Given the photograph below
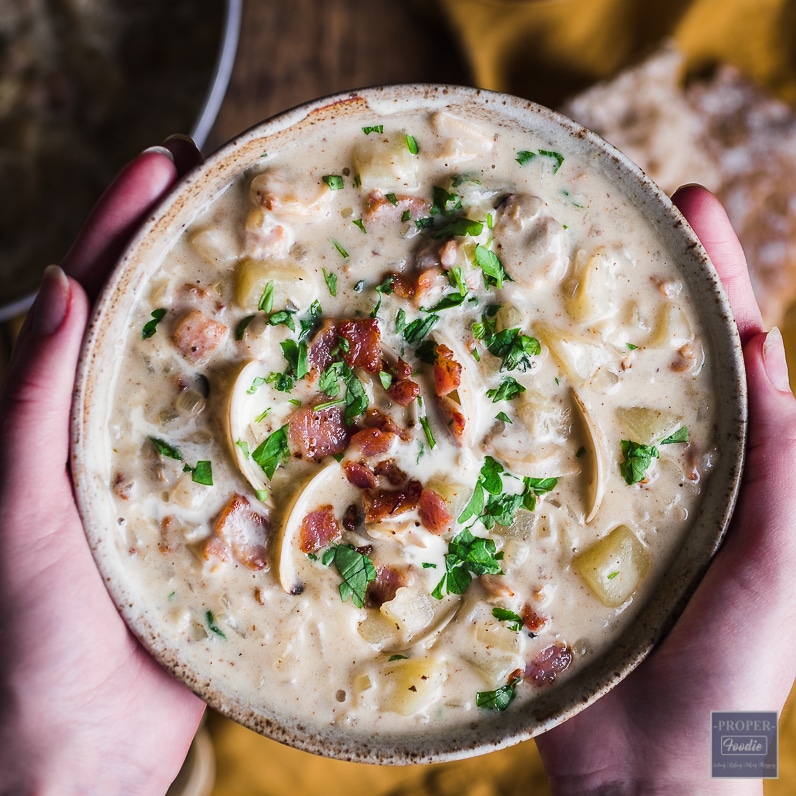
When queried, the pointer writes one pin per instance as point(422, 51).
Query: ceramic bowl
point(98, 370)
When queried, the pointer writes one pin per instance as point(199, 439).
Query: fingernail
point(49, 308)
point(161, 150)
point(774, 360)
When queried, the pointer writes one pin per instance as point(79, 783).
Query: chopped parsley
point(334, 181)
point(201, 474)
point(211, 623)
point(283, 318)
point(681, 435)
point(411, 144)
point(376, 128)
point(355, 568)
point(331, 279)
point(164, 449)
point(150, 327)
point(526, 156)
point(513, 621)
point(359, 223)
point(266, 302)
point(507, 389)
point(637, 459)
point(417, 330)
point(448, 302)
point(467, 556)
point(340, 250)
point(489, 263)
point(500, 698)
point(502, 416)
point(510, 345)
point(432, 443)
point(242, 325)
point(272, 452)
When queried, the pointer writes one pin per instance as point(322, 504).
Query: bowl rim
point(658, 615)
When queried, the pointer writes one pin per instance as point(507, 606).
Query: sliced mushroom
point(597, 472)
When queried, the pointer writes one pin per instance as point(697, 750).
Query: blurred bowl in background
point(83, 88)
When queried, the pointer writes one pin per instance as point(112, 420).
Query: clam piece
point(579, 357)
point(597, 473)
point(328, 487)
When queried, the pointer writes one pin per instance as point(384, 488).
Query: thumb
point(36, 402)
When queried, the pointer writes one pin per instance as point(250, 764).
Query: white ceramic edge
point(500, 730)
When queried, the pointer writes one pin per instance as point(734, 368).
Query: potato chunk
point(614, 566)
point(594, 297)
point(408, 685)
point(293, 286)
point(647, 425)
point(386, 164)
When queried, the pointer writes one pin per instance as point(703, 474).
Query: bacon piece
point(375, 418)
point(391, 471)
point(402, 390)
point(402, 286)
point(323, 343)
point(454, 417)
point(319, 529)
point(351, 518)
point(383, 589)
point(532, 620)
point(364, 343)
point(360, 475)
point(314, 435)
point(434, 512)
point(373, 441)
point(243, 531)
point(196, 336)
point(447, 371)
point(548, 664)
point(379, 504)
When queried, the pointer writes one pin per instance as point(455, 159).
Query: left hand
point(84, 706)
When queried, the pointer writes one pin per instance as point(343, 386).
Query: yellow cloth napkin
point(544, 50)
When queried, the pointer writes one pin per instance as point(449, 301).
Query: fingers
point(710, 222)
point(37, 399)
point(123, 208)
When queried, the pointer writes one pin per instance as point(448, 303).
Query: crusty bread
point(720, 130)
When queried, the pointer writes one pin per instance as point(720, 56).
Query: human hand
point(732, 648)
point(84, 707)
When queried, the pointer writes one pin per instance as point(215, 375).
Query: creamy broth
point(409, 424)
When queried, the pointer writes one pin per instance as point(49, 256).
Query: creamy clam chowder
point(409, 423)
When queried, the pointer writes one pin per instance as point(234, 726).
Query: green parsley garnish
point(392, 198)
point(681, 435)
point(447, 302)
point(283, 318)
point(241, 327)
point(266, 302)
point(638, 458)
point(513, 621)
point(272, 452)
point(411, 144)
point(432, 443)
point(340, 249)
point(201, 474)
point(524, 156)
point(467, 556)
point(211, 623)
point(356, 569)
point(359, 223)
point(150, 327)
point(334, 181)
point(164, 449)
point(631, 346)
point(331, 278)
point(376, 128)
point(507, 389)
point(500, 698)
point(504, 417)
point(489, 263)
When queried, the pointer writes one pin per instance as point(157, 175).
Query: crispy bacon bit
point(324, 342)
point(532, 620)
point(351, 518)
point(314, 435)
point(454, 417)
point(243, 531)
point(383, 589)
point(360, 475)
point(319, 529)
point(375, 418)
point(447, 371)
point(391, 471)
point(196, 336)
point(379, 504)
point(364, 343)
point(548, 664)
point(402, 390)
point(373, 441)
point(402, 286)
point(434, 512)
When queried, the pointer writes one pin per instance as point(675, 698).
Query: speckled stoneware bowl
point(98, 366)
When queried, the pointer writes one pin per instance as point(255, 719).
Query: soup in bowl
point(408, 424)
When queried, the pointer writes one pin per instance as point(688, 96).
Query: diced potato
point(379, 631)
point(410, 611)
point(614, 566)
point(647, 425)
point(509, 317)
point(579, 358)
point(594, 297)
point(386, 164)
point(672, 327)
point(294, 286)
point(408, 685)
point(463, 140)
